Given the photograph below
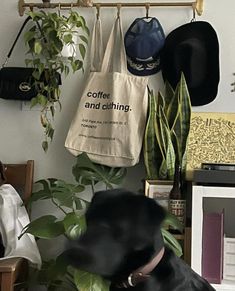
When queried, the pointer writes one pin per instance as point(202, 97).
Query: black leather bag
point(17, 83)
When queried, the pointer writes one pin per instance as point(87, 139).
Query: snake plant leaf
point(164, 129)
point(163, 170)
point(170, 153)
point(159, 126)
point(181, 126)
point(173, 110)
point(90, 282)
point(150, 143)
point(185, 112)
point(169, 95)
point(172, 242)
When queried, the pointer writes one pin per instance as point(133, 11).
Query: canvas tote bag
point(110, 121)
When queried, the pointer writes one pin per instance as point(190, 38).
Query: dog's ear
point(157, 212)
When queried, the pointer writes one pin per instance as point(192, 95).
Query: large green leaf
point(166, 170)
point(172, 110)
point(158, 126)
point(172, 242)
point(169, 95)
point(185, 113)
point(173, 221)
point(45, 227)
point(87, 172)
point(74, 225)
point(151, 149)
point(90, 282)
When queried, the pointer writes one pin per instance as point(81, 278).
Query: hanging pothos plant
point(46, 39)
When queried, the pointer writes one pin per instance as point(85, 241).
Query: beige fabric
point(110, 120)
point(97, 47)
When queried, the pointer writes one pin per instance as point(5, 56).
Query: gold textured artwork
point(211, 139)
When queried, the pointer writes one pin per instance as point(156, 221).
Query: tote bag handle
point(97, 47)
point(108, 55)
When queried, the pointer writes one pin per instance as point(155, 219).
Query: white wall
point(20, 131)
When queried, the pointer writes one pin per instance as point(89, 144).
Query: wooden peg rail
point(196, 5)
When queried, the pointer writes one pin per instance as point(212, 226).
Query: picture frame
point(159, 190)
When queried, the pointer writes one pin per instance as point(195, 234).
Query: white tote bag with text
point(110, 121)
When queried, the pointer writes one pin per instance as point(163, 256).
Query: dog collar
point(142, 273)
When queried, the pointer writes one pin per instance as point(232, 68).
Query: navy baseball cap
point(144, 41)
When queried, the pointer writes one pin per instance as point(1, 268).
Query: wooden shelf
point(196, 5)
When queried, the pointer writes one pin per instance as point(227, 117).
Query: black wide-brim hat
point(193, 49)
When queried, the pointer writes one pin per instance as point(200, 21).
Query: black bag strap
point(17, 37)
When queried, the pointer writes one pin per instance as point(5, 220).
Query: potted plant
point(46, 39)
point(167, 130)
point(65, 196)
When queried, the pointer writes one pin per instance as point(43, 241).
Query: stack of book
point(212, 247)
point(218, 251)
point(229, 259)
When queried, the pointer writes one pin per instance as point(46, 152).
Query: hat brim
point(193, 49)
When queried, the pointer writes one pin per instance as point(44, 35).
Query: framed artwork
point(159, 190)
point(211, 140)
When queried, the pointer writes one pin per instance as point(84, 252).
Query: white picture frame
point(159, 190)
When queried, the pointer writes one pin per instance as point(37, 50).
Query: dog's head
point(123, 232)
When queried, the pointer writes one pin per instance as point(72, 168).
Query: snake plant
point(167, 131)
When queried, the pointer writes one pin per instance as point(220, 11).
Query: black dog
point(123, 243)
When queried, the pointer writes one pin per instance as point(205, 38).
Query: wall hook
point(194, 12)
point(119, 6)
point(147, 6)
point(97, 11)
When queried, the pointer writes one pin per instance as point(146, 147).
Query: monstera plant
point(46, 40)
point(56, 274)
point(167, 131)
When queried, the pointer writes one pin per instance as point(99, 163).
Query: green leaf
point(83, 38)
point(42, 100)
point(34, 101)
point(172, 242)
point(37, 47)
point(46, 227)
point(173, 221)
point(63, 198)
point(68, 38)
point(82, 50)
point(86, 171)
point(169, 95)
point(29, 35)
point(36, 74)
point(151, 149)
point(90, 282)
point(45, 145)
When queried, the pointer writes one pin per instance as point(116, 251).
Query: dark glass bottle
point(177, 202)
